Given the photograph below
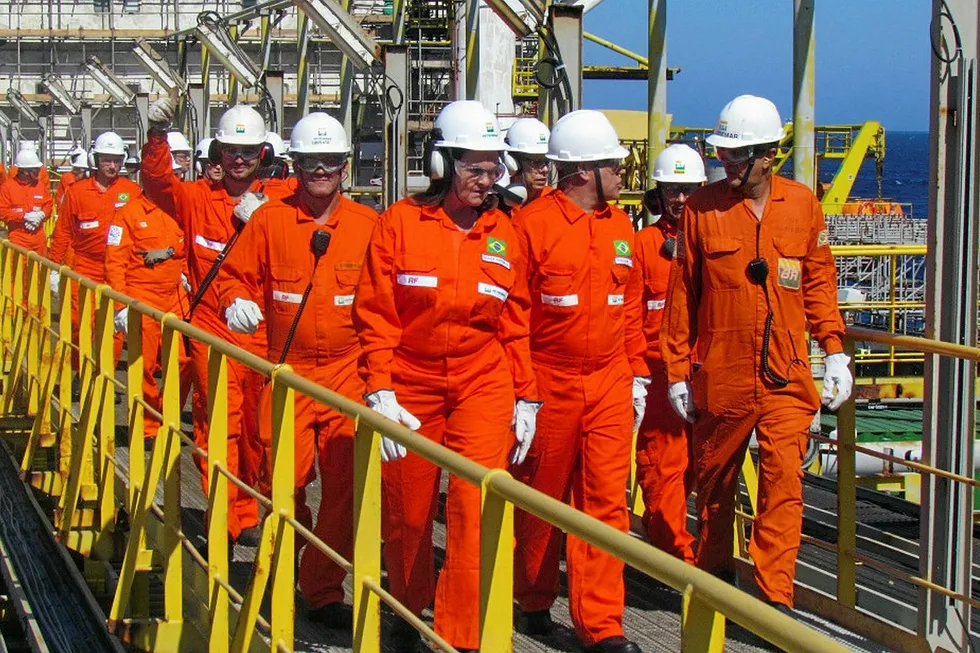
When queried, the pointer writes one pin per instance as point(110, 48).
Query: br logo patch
point(790, 273)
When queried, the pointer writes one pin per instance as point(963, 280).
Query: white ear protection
point(513, 167)
point(435, 162)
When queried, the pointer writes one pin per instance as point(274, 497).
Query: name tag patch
point(656, 304)
point(91, 224)
point(343, 300)
point(209, 244)
point(559, 300)
point(115, 235)
point(623, 260)
point(490, 258)
point(616, 300)
point(417, 280)
point(287, 297)
point(789, 273)
point(494, 291)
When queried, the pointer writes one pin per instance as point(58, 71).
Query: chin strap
point(598, 184)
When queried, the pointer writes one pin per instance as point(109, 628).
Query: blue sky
point(872, 58)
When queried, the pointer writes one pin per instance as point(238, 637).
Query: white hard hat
point(528, 136)
point(747, 120)
point(27, 159)
point(467, 125)
point(79, 159)
point(679, 164)
point(278, 146)
point(203, 148)
point(178, 142)
point(109, 143)
point(241, 125)
point(318, 133)
point(584, 135)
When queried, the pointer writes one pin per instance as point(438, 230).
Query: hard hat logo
point(496, 246)
point(679, 167)
point(622, 247)
point(239, 128)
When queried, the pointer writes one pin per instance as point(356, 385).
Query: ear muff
point(435, 163)
point(91, 160)
point(213, 153)
point(513, 167)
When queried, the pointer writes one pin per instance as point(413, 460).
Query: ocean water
point(905, 175)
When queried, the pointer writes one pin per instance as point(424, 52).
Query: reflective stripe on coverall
point(429, 311)
point(272, 265)
point(142, 226)
point(586, 345)
point(205, 213)
point(713, 303)
point(663, 445)
point(82, 228)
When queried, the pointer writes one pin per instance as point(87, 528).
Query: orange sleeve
point(119, 245)
point(515, 326)
point(375, 316)
point(160, 184)
point(62, 237)
point(243, 272)
point(11, 211)
point(48, 203)
point(636, 343)
point(683, 298)
point(820, 286)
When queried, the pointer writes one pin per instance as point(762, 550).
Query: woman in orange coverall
point(436, 281)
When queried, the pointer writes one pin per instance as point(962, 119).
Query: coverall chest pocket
point(493, 286)
point(724, 269)
point(147, 237)
point(416, 281)
point(789, 266)
point(556, 291)
point(88, 222)
point(287, 285)
point(617, 292)
point(346, 285)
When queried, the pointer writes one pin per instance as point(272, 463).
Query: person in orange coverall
point(84, 218)
point(25, 204)
point(752, 271)
point(527, 141)
point(439, 358)
point(264, 279)
point(663, 471)
point(79, 171)
point(587, 347)
point(211, 216)
point(144, 257)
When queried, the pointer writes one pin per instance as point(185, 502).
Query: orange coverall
point(272, 265)
point(18, 199)
point(141, 226)
point(585, 295)
point(429, 314)
point(663, 445)
point(81, 229)
point(713, 303)
point(67, 181)
point(205, 213)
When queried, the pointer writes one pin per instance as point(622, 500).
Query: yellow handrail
point(705, 595)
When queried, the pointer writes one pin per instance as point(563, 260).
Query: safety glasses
point(536, 163)
point(246, 152)
point(614, 166)
point(493, 173)
point(329, 163)
point(733, 155)
point(675, 190)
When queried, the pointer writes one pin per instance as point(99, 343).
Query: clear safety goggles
point(533, 162)
point(678, 189)
point(311, 162)
point(733, 155)
point(493, 173)
point(246, 152)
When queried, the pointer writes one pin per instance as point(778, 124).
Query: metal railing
point(36, 355)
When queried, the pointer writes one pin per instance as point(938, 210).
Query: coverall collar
point(303, 212)
point(777, 193)
point(484, 223)
point(573, 211)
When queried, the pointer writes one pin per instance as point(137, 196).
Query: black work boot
point(536, 624)
point(617, 644)
point(404, 638)
point(336, 616)
point(249, 537)
point(781, 607)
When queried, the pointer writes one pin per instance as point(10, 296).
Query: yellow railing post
point(846, 495)
point(31, 321)
point(65, 437)
point(106, 368)
point(7, 315)
point(137, 447)
point(283, 611)
point(47, 350)
point(702, 627)
point(218, 500)
point(17, 339)
point(367, 538)
point(496, 568)
point(173, 583)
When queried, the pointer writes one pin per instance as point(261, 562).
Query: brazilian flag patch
point(123, 197)
point(622, 247)
point(497, 246)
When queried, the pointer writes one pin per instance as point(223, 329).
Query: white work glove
point(185, 283)
point(837, 375)
point(243, 316)
point(640, 384)
point(384, 402)
point(524, 424)
point(54, 281)
point(162, 111)
point(248, 204)
point(681, 399)
point(121, 320)
point(33, 220)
